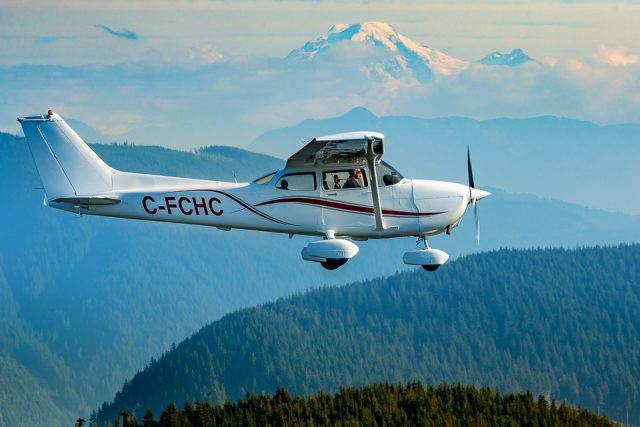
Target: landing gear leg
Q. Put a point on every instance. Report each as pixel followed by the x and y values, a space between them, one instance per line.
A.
pixel 422 241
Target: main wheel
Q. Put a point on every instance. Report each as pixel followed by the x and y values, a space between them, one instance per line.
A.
pixel 432 267
pixel 332 264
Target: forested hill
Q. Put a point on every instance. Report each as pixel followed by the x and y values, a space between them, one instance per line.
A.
pixel 563 323
pixel 380 404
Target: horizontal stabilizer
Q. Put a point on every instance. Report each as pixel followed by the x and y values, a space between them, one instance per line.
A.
pixel 87 201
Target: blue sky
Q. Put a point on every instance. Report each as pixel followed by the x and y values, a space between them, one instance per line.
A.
pixel 73 32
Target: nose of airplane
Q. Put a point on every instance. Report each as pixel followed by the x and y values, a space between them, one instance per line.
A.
pixel 477 194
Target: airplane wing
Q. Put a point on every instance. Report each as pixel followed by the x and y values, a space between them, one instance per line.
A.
pixel 340 148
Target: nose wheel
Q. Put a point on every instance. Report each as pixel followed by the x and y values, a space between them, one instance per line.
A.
pixel 332 264
pixel 426 257
pixel 422 241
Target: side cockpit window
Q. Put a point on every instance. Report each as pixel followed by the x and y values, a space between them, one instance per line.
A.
pixel 345 178
pixel 297 182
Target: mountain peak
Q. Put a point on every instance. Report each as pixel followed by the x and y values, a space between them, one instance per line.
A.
pixel 377 33
pixel 399 54
pixel 380 29
pixel 360 113
pixel 511 59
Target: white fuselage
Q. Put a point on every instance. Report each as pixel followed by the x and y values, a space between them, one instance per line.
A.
pixel 334 186
pixel 409 207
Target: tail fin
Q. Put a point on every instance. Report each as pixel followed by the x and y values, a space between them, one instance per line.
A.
pixel 67 166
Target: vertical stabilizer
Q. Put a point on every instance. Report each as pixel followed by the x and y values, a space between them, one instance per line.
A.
pixel 66 164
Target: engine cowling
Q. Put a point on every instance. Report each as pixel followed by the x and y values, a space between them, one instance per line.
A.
pixel 430 259
pixel 330 253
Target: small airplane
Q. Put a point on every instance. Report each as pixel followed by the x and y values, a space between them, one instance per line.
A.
pixel 336 187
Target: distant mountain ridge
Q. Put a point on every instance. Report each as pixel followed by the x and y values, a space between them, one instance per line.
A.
pixel 561 323
pixel 572 160
pixel 514 58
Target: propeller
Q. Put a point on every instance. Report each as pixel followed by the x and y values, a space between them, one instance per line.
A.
pixel 473 199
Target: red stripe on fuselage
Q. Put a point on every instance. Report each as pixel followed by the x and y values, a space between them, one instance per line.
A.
pixel 332 204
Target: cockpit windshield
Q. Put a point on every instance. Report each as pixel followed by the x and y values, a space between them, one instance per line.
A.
pixel 387 175
pixel 265 179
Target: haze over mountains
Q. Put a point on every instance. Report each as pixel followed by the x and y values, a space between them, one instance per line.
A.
pixel 229 100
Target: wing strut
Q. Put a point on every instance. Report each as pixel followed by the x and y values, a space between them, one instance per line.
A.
pixel 375 194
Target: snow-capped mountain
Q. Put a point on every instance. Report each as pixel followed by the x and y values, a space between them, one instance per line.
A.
pixel 396 55
pixel 515 57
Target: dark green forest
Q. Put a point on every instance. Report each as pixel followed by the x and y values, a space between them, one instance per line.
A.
pixel 381 404
pixel 561 323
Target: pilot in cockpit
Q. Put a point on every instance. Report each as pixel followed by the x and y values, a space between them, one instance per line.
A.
pixel 352 181
pixel 359 177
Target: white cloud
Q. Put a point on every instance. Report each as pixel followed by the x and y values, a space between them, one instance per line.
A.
pixel 615 56
pixel 119 123
pixel 207 54
pixel 234 100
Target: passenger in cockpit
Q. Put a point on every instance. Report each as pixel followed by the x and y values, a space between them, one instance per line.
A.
pixel 336 182
pixel 325 184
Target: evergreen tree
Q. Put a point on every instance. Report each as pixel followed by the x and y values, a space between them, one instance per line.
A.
pixel 149 420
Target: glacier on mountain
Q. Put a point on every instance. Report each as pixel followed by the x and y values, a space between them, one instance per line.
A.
pixel 394 55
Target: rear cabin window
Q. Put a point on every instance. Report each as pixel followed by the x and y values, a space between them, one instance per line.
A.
pixel 344 179
pixel 297 182
pixel 265 179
